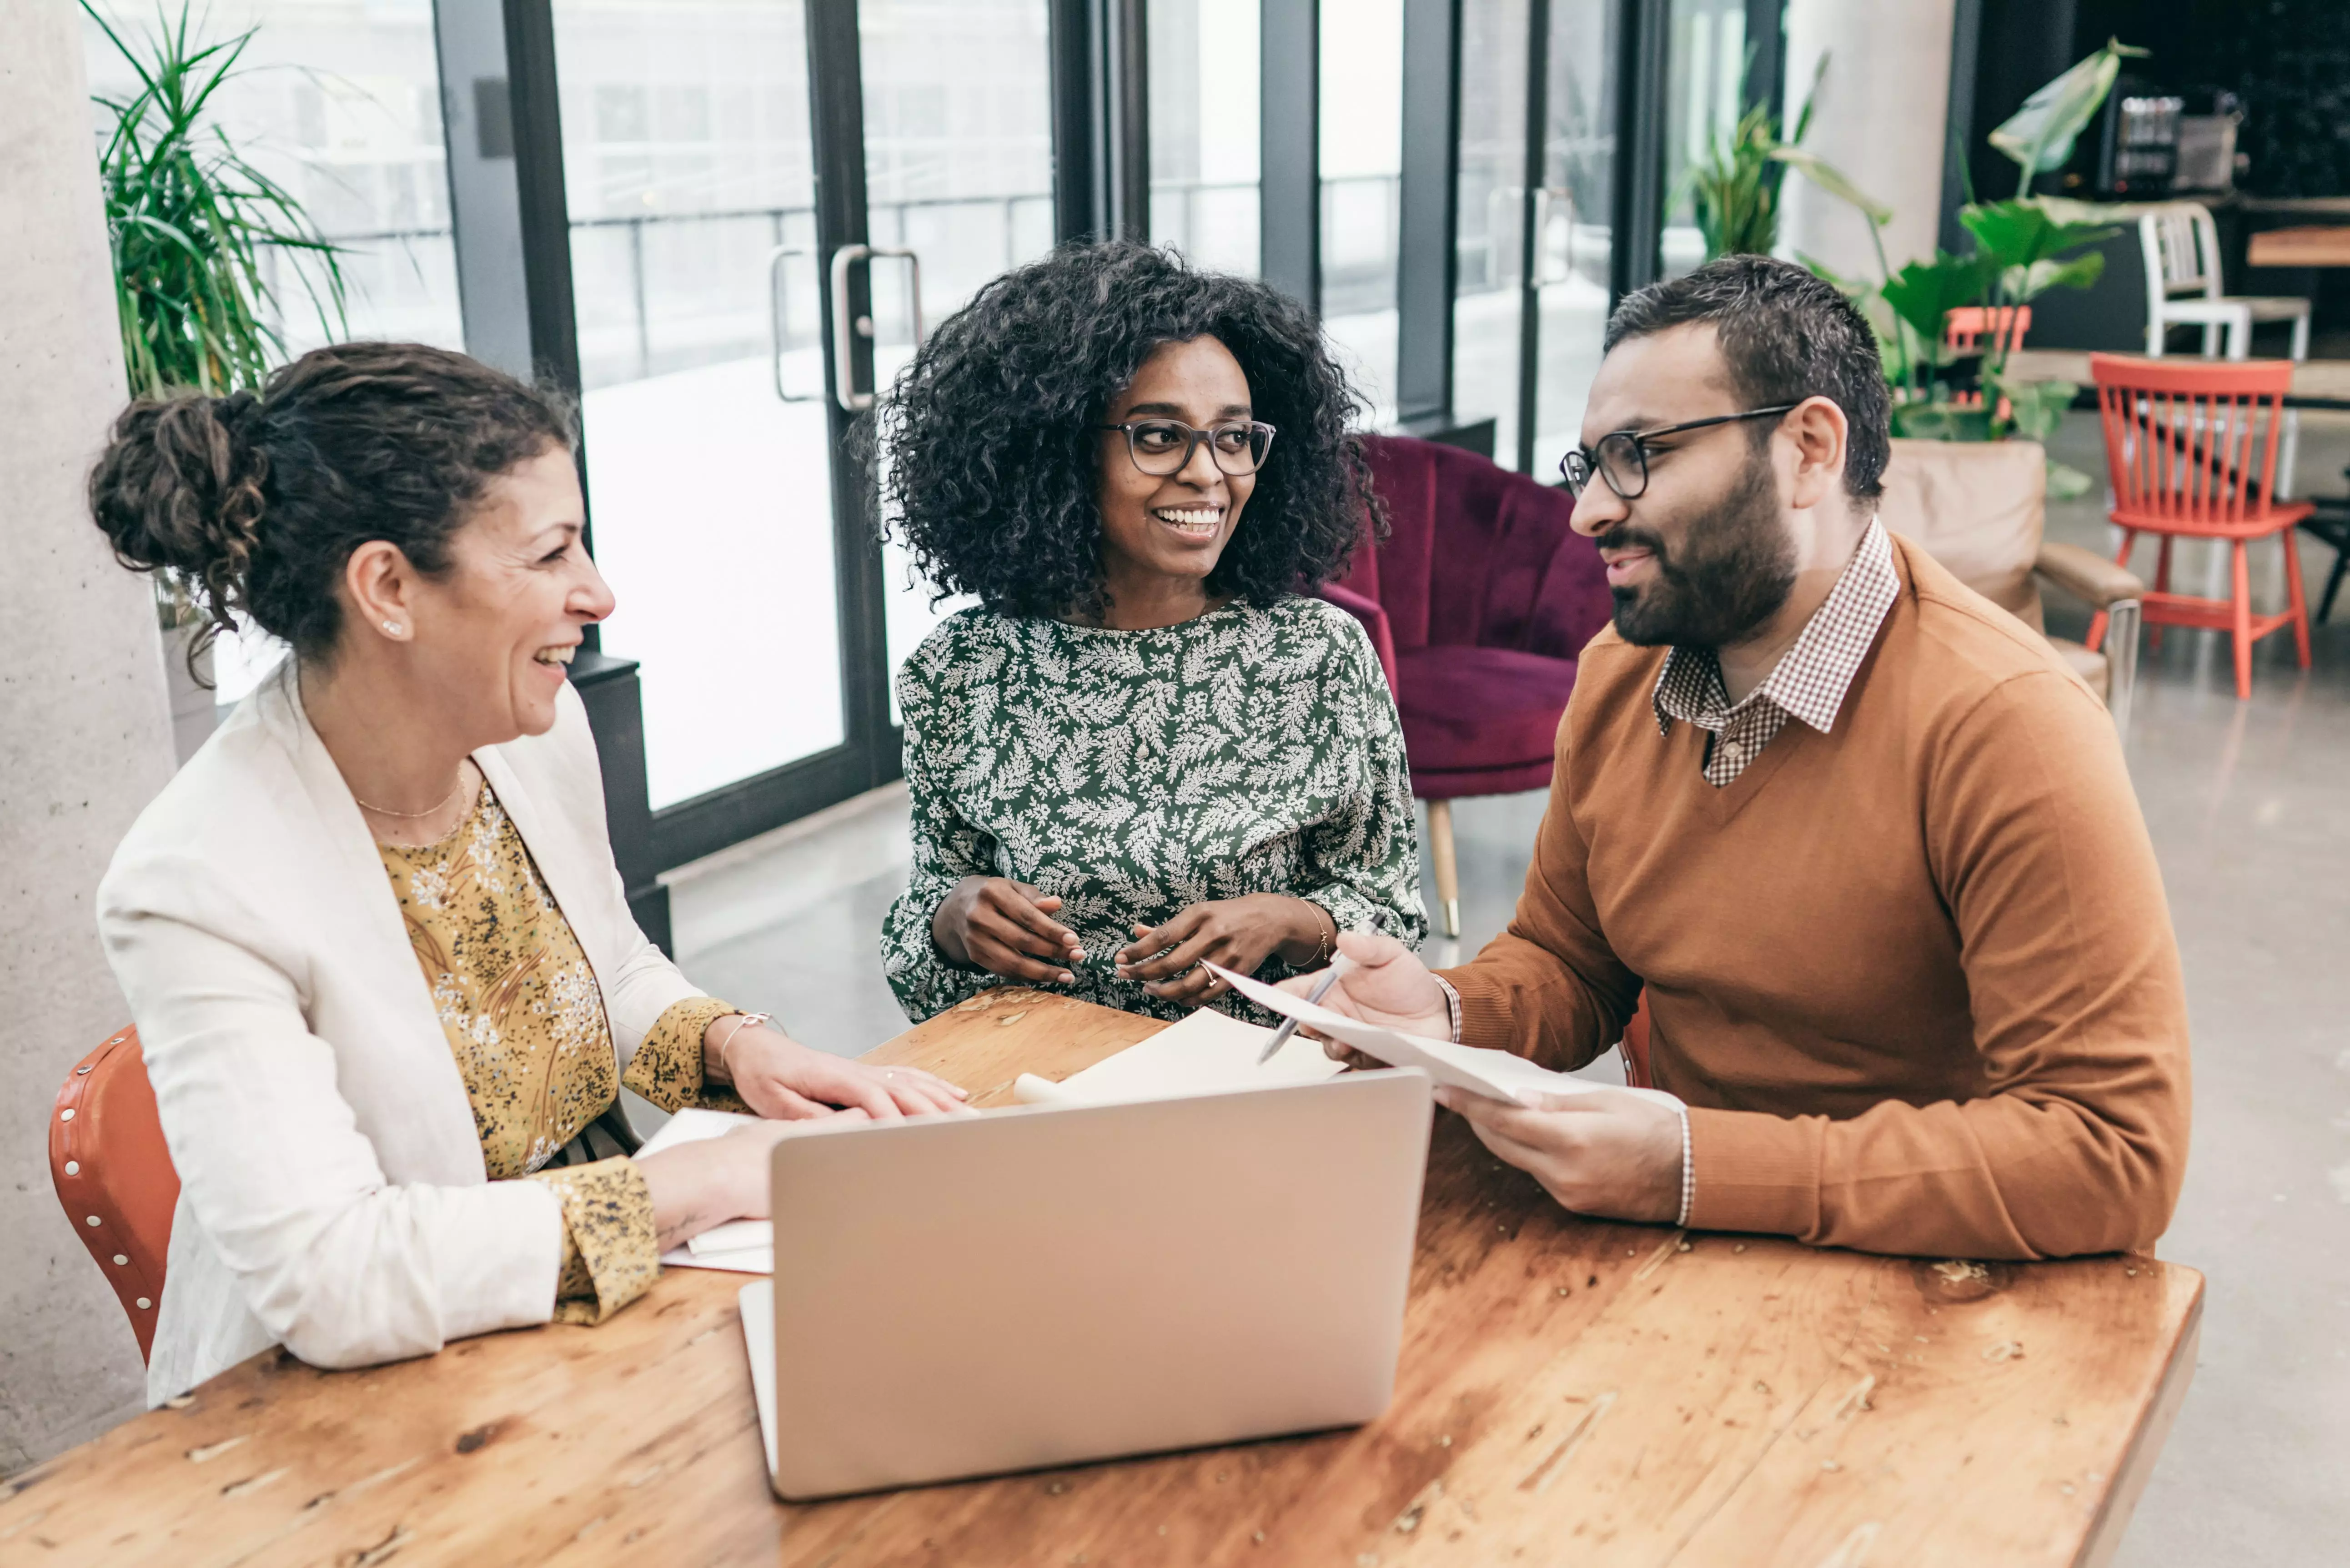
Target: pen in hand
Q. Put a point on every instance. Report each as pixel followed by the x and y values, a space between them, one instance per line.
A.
pixel 1339 964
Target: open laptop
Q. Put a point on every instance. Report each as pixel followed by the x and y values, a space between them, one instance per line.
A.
pixel 1053 1284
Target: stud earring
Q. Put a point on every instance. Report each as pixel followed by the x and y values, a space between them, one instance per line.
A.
pixel 394 628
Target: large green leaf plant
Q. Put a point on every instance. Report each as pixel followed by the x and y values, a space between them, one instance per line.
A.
pixel 2020 252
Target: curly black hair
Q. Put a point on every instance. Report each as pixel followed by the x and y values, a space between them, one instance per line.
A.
pixel 989 452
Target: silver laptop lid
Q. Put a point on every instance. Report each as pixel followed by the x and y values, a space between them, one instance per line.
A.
pixel 1054 1284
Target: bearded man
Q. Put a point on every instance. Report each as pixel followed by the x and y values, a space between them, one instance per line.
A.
pixel 1869 847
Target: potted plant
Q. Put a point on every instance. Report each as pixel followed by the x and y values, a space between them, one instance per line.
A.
pixel 1733 189
pixel 186 218
pixel 2020 252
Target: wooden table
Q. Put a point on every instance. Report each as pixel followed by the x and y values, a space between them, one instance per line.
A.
pixel 2316 383
pixel 1569 1392
pixel 2318 245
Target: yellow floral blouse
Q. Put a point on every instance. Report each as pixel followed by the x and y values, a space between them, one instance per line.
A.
pixel 525 1022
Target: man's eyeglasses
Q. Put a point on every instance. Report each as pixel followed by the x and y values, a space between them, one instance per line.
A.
pixel 1161 447
pixel 1622 456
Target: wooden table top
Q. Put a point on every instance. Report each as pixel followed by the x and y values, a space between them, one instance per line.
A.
pixel 2316 383
pixel 1568 1389
pixel 2317 245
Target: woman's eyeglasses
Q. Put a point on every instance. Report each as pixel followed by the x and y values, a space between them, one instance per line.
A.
pixel 1622 456
pixel 1161 447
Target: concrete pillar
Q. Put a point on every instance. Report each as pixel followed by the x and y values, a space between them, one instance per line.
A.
pixel 85 728
pixel 1880 118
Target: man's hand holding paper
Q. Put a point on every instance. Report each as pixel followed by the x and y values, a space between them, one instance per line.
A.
pixel 1615 1153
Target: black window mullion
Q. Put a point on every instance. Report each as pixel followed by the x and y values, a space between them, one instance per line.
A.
pixel 1427 255
pixel 1639 220
pixel 837 117
pixel 1529 238
pixel 1289 187
pixel 1075 213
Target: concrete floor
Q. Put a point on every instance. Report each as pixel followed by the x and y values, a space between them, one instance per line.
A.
pixel 2249 804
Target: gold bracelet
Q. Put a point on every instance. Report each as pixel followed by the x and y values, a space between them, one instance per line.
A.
pixel 750 1020
pixel 1323 939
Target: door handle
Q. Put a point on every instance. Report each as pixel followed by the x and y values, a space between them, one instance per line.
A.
pixel 844 375
pixel 779 326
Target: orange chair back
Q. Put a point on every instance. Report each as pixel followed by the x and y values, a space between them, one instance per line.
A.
pixel 2191 444
pixel 113 1173
pixel 1964 330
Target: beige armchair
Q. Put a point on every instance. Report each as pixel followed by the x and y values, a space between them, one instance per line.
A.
pixel 1978 507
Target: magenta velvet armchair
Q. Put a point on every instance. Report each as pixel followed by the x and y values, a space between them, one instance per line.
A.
pixel 1478 604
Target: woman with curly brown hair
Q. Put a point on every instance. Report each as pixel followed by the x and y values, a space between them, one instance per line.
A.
pixel 1147 746
pixel 384 975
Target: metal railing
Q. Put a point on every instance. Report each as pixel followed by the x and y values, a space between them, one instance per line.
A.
pixel 1356 278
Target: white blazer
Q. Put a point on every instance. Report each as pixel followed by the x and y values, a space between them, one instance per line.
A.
pixel 332 1194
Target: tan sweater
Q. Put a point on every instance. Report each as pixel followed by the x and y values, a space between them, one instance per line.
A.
pixel 1915 978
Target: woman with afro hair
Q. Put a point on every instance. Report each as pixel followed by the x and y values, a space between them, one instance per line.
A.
pixel 1145 746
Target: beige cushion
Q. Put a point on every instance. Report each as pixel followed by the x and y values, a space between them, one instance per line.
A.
pixel 1977 507
pixel 2090 667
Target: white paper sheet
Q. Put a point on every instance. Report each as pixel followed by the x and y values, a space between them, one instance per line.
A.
pixel 1496 1074
pixel 1202 1054
pixel 739 1246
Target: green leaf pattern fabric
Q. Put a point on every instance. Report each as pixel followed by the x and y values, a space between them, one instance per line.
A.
pixel 1134 773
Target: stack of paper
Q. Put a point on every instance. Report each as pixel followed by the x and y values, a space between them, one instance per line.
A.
pixel 1206 1054
pixel 1496 1074
pixel 743 1246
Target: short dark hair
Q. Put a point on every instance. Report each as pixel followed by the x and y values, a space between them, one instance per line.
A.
pixel 255 501
pixel 1786 335
pixel 993 451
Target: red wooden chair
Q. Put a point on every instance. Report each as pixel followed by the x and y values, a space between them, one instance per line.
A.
pixel 1964 330
pixel 113 1173
pixel 2191 448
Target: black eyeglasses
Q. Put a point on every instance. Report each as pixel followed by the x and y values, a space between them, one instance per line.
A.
pixel 1622 457
pixel 1161 447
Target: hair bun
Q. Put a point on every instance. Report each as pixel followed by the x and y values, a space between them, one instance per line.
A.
pixel 179 489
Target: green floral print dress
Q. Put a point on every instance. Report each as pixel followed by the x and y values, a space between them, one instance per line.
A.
pixel 1135 772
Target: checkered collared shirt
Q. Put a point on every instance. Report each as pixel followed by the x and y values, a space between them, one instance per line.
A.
pixel 1809 682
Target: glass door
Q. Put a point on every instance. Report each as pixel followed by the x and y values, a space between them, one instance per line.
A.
pixel 1205 119
pixel 768 201
pixel 958 143
pixel 689 173
pixel 1361 157
pixel 1575 235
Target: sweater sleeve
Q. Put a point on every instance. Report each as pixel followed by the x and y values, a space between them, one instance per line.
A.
pixel 1365 860
pixel 2078 1140
pixel 1550 988
pixel 946 849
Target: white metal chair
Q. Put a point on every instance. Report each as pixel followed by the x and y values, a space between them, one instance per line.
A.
pixel 2181 247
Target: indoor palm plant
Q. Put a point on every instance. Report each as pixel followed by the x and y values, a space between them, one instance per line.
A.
pixel 1733 189
pixel 187 216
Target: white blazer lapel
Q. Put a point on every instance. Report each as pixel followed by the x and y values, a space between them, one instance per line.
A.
pixel 553 843
pixel 383 958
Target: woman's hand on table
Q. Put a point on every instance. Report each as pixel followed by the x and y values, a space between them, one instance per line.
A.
pixel 1007 928
pixel 1238 933
pixel 779 1077
pixel 695 1186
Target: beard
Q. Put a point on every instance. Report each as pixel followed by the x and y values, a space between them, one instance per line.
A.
pixel 1732 571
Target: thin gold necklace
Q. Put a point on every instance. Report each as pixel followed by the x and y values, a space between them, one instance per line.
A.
pixel 428 810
